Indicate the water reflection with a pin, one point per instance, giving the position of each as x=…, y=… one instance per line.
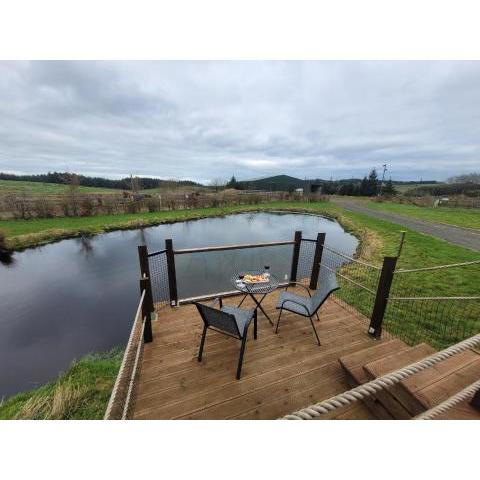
x=7, y=258
x=63, y=300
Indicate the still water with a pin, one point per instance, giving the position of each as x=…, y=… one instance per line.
x=63, y=300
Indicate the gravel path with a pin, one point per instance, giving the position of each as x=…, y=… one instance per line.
x=464, y=237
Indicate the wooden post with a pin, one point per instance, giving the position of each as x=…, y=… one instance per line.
x=402, y=239
x=172, y=276
x=143, y=258
x=381, y=299
x=147, y=309
x=145, y=271
x=296, y=254
x=317, y=260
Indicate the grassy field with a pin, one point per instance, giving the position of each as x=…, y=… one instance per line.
x=405, y=188
x=38, y=188
x=80, y=393
x=462, y=217
x=86, y=386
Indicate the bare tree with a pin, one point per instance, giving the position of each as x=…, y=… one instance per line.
x=136, y=184
x=218, y=183
x=73, y=182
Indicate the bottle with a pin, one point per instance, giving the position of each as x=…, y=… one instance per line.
x=266, y=270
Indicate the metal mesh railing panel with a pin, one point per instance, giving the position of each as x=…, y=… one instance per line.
x=159, y=279
x=358, y=280
x=305, y=260
x=436, y=305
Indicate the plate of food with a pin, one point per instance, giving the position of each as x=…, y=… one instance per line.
x=261, y=278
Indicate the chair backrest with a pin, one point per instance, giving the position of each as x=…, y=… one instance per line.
x=328, y=284
x=218, y=319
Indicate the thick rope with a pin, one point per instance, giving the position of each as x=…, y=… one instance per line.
x=351, y=258
x=350, y=280
x=465, y=394
x=434, y=298
x=437, y=267
x=381, y=383
x=113, y=396
x=128, y=399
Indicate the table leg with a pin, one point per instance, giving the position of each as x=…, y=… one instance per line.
x=243, y=299
x=260, y=306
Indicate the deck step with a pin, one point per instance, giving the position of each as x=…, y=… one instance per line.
x=356, y=375
x=443, y=380
x=398, y=401
x=418, y=392
x=461, y=411
x=353, y=363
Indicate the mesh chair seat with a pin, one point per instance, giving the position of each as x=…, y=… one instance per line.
x=242, y=316
x=228, y=320
x=287, y=299
x=307, y=306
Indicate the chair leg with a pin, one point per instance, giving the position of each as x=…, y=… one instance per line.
x=202, y=343
x=316, y=313
x=255, y=325
x=278, y=321
x=240, y=360
x=315, y=330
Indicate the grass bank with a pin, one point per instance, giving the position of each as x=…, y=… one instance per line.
x=461, y=217
x=82, y=392
x=21, y=234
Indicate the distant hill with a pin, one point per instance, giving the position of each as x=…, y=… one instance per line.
x=275, y=183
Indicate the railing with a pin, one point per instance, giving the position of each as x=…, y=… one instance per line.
x=391, y=301
x=434, y=304
x=187, y=274
x=122, y=398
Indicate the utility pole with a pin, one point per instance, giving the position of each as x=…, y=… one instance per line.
x=383, y=178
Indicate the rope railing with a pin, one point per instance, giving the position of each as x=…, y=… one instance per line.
x=351, y=259
x=465, y=394
x=371, y=388
x=349, y=279
x=117, y=403
x=437, y=267
x=435, y=298
x=133, y=375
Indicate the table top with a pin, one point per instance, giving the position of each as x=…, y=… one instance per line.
x=264, y=287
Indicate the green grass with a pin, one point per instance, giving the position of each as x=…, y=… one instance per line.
x=39, y=188
x=462, y=217
x=26, y=233
x=439, y=323
x=82, y=392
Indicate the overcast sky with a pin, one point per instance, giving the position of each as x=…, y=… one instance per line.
x=201, y=120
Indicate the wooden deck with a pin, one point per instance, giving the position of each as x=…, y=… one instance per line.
x=281, y=373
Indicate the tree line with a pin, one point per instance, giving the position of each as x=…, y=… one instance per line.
x=64, y=178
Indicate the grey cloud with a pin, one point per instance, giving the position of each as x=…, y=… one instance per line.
x=201, y=120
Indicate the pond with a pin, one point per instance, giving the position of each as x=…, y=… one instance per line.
x=63, y=300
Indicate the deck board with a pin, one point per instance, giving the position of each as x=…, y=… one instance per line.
x=281, y=373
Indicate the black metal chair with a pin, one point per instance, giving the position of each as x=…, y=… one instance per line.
x=307, y=306
x=231, y=321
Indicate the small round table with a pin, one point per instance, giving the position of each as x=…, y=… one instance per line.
x=252, y=289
